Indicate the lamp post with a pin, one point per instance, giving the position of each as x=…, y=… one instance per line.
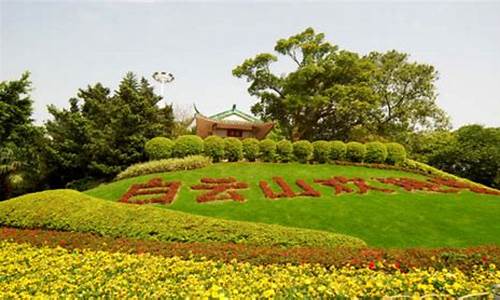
x=163, y=78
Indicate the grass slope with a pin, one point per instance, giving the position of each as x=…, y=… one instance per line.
x=73, y=211
x=402, y=219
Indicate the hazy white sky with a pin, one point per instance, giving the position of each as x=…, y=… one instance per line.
x=68, y=45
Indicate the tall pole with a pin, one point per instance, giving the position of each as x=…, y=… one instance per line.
x=162, y=78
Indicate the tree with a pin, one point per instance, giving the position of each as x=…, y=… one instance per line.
x=20, y=162
x=336, y=94
x=103, y=133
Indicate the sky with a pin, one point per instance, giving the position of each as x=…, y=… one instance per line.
x=67, y=45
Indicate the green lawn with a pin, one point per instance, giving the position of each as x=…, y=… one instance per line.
x=402, y=219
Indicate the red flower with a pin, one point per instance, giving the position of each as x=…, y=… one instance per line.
x=371, y=266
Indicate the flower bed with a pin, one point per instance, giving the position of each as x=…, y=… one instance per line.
x=286, y=189
x=52, y=272
x=165, y=192
x=340, y=185
x=220, y=189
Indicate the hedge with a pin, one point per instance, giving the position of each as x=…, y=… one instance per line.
x=338, y=150
x=355, y=152
x=376, y=152
x=159, y=148
x=284, y=151
x=69, y=210
x=267, y=150
x=165, y=165
x=213, y=146
x=187, y=145
x=233, y=149
x=302, y=150
x=321, y=151
x=396, y=153
x=250, y=149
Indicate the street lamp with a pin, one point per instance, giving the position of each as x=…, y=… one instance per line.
x=163, y=78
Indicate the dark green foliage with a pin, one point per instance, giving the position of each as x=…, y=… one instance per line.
x=396, y=153
x=321, y=151
x=213, y=146
x=284, y=151
x=302, y=151
x=338, y=150
x=376, y=152
x=250, y=149
x=65, y=210
x=267, y=150
x=102, y=133
x=159, y=148
x=355, y=152
x=187, y=145
x=233, y=149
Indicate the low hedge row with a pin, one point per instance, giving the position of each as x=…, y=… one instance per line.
x=388, y=260
x=69, y=210
x=268, y=150
x=165, y=165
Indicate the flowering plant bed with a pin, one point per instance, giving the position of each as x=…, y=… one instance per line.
x=286, y=190
x=160, y=191
x=220, y=189
x=339, y=183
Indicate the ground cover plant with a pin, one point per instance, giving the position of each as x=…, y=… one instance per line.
x=398, y=219
x=73, y=211
x=387, y=260
x=102, y=274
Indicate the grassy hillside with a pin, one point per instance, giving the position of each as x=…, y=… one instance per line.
x=400, y=219
x=73, y=211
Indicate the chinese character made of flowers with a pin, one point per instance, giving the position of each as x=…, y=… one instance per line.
x=220, y=189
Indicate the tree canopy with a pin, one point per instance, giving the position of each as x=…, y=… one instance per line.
x=335, y=94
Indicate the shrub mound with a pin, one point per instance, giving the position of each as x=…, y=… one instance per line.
x=376, y=152
x=284, y=151
x=165, y=165
x=213, y=146
x=302, y=150
x=250, y=149
x=321, y=151
x=186, y=145
x=396, y=153
x=267, y=150
x=355, y=151
x=338, y=150
x=159, y=148
x=233, y=149
x=70, y=210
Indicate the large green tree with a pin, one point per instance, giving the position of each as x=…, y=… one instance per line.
x=335, y=94
x=21, y=165
x=102, y=132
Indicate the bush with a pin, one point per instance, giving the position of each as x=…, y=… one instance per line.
x=376, y=152
x=187, y=145
x=213, y=146
x=321, y=151
x=165, y=165
x=396, y=153
x=267, y=150
x=233, y=149
x=159, y=148
x=284, y=150
x=250, y=149
x=302, y=150
x=355, y=152
x=338, y=150
x=65, y=210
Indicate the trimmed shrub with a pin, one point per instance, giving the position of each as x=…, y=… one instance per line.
x=65, y=210
x=187, y=145
x=396, y=153
x=165, y=165
x=213, y=146
x=355, y=151
x=321, y=151
x=159, y=148
x=302, y=150
x=376, y=152
x=233, y=149
x=250, y=149
x=338, y=150
x=267, y=150
x=284, y=151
